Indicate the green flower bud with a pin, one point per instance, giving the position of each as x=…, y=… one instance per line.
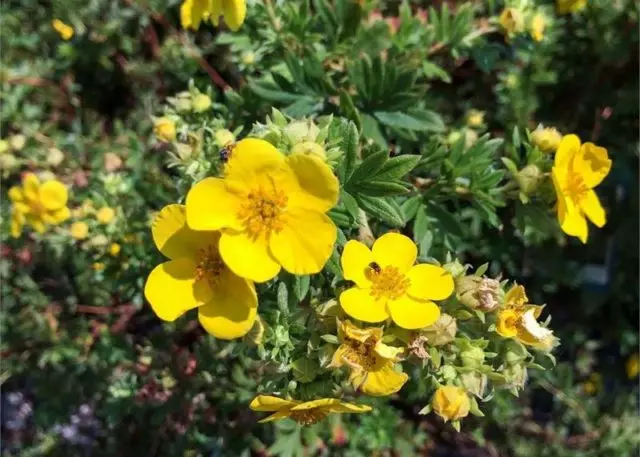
x=455, y=268
x=515, y=375
x=201, y=103
x=529, y=179
x=472, y=357
x=224, y=137
x=442, y=331
x=310, y=148
x=475, y=383
x=299, y=131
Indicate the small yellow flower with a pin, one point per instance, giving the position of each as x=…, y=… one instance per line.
x=576, y=171
x=201, y=103
x=248, y=58
x=370, y=360
x=165, y=129
x=105, y=215
x=388, y=284
x=570, y=6
x=547, y=139
x=475, y=118
x=196, y=277
x=537, y=27
x=97, y=266
x=114, y=249
x=511, y=21
x=633, y=366
x=55, y=157
x=270, y=210
x=304, y=413
x=450, y=403
x=65, y=31
x=79, y=230
x=193, y=12
x=17, y=142
x=38, y=205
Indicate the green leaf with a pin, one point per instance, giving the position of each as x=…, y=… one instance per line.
x=382, y=208
x=349, y=109
x=371, y=130
x=433, y=71
x=401, y=121
x=410, y=207
x=398, y=167
x=305, y=369
x=349, y=145
x=350, y=203
x=283, y=298
x=381, y=188
x=368, y=168
x=301, y=286
x=272, y=93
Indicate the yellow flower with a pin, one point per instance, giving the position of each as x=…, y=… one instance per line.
x=387, y=283
x=65, y=31
x=105, y=215
x=633, y=366
x=370, y=360
x=97, y=266
x=201, y=102
x=305, y=413
x=193, y=12
x=165, y=129
x=79, y=230
x=511, y=21
x=196, y=277
x=570, y=6
x=450, y=403
x=270, y=210
x=38, y=205
x=577, y=170
x=537, y=27
x=475, y=118
x=547, y=139
x=114, y=249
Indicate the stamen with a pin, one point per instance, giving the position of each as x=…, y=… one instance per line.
x=387, y=282
x=262, y=212
x=361, y=355
x=209, y=265
x=576, y=187
x=308, y=416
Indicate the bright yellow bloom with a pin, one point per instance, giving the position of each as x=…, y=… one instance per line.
x=97, y=266
x=305, y=413
x=370, y=360
x=38, y=205
x=388, y=284
x=518, y=320
x=537, y=27
x=196, y=277
x=633, y=366
x=475, y=118
x=577, y=170
x=450, y=403
x=511, y=21
x=547, y=139
x=270, y=210
x=193, y=12
x=79, y=230
x=570, y=6
x=114, y=249
x=105, y=215
x=65, y=31
x=165, y=129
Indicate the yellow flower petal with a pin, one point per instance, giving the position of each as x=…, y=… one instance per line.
x=571, y=219
x=248, y=258
x=381, y=382
x=232, y=309
x=568, y=148
x=59, y=216
x=234, y=13
x=172, y=289
x=350, y=331
x=53, y=195
x=317, y=186
x=413, y=314
x=359, y=304
x=506, y=325
x=430, y=282
x=592, y=208
x=343, y=407
x=15, y=194
x=320, y=403
x=305, y=243
x=37, y=224
x=17, y=222
x=339, y=355
x=212, y=206
x=192, y=12
x=270, y=403
x=31, y=184
x=395, y=249
x=252, y=156
x=592, y=163
x=355, y=261
x=516, y=296
x=174, y=238
x=387, y=352
x=275, y=416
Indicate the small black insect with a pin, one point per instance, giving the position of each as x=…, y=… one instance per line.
x=225, y=153
x=375, y=267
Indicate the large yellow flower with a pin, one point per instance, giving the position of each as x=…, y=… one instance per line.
x=196, y=277
x=577, y=170
x=38, y=205
x=370, y=360
x=193, y=12
x=270, y=209
x=388, y=284
x=305, y=413
x=570, y=6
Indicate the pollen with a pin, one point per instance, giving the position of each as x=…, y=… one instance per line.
x=576, y=188
x=388, y=282
x=361, y=355
x=262, y=212
x=209, y=264
x=308, y=416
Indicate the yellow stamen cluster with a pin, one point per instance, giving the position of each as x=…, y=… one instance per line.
x=576, y=187
x=209, y=265
x=308, y=416
x=361, y=354
x=388, y=282
x=262, y=212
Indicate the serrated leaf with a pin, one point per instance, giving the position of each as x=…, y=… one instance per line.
x=349, y=146
x=398, y=167
x=350, y=203
x=301, y=286
x=367, y=168
x=381, y=188
x=305, y=369
x=382, y=208
x=400, y=120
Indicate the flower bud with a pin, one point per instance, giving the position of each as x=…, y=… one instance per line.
x=248, y=58
x=182, y=101
x=529, y=178
x=442, y=331
x=450, y=403
x=310, y=148
x=201, y=103
x=475, y=383
x=475, y=118
x=79, y=230
x=165, y=129
x=478, y=292
x=224, y=137
x=17, y=142
x=473, y=357
x=515, y=375
x=54, y=157
x=547, y=139
x=99, y=240
x=299, y=131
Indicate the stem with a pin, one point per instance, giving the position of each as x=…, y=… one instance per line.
x=275, y=23
x=364, y=233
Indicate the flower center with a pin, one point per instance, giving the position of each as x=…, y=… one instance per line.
x=209, y=265
x=308, y=416
x=576, y=188
x=262, y=211
x=361, y=355
x=387, y=282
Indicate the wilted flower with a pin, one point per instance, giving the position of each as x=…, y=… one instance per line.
x=547, y=139
x=304, y=413
x=79, y=230
x=478, y=292
x=165, y=129
x=193, y=12
x=65, y=31
x=442, y=331
x=451, y=403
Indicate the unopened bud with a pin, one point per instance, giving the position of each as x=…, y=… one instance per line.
x=300, y=131
x=310, y=148
x=224, y=137
x=547, y=139
x=529, y=178
x=473, y=357
x=201, y=103
x=443, y=331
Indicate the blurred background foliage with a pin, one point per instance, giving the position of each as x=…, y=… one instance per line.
x=88, y=370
